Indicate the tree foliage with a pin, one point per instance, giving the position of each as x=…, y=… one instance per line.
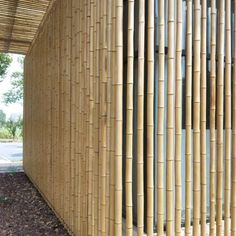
x=2, y=118
x=13, y=125
x=5, y=61
x=15, y=93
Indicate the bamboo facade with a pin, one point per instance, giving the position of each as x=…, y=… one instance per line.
x=130, y=116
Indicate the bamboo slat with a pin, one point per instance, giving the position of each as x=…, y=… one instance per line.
x=227, y=119
x=170, y=120
x=203, y=115
x=220, y=115
x=196, y=118
x=160, y=126
x=188, y=118
x=178, y=119
x=212, y=120
x=129, y=120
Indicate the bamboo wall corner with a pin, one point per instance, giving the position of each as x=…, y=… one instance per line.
x=130, y=116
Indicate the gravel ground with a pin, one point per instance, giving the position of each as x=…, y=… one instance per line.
x=23, y=212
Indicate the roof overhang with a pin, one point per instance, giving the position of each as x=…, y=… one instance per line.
x=19, y=23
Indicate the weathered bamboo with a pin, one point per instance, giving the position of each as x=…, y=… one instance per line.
x=212, y=119
x=233, y=192
x=188, y=119
x=140, y=121
x=178, y=119
x=220, y=114
x=118, y=117
x=227, y=118
x=150, y=118
x=196, y=118
x=129, y=120
x=160, y=127
x=170, y=120
x=203, y=114
x=112, y=163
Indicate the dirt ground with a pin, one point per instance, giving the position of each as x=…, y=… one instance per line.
x=23, y=212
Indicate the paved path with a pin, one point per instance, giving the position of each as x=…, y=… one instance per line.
x=11, y=155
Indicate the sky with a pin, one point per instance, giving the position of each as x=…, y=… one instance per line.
x=12, y=110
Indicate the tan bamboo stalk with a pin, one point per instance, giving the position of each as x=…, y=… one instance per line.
x=178, y=119
x=196, y=118
x=227, y=119
x=103, y=112
x=97, y=35
x=220, y=112
x=188, y=119
x=233, y=187
x=212, y=119
x=112, y=163
x=129, y=120
x=101, y=156
x=150, y=118
x=118, y=117
x=91, y=120
x=140, y=122
x=170, y=120
x=109, y=94
x=203, y=115
x=160, y=127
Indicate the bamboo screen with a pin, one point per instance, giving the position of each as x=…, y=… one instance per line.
x=130, y=116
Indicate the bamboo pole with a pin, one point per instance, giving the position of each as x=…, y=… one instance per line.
x=140, y=122
x=160, y=127
x=203, y=114
x=227, y=119
x=170, y=120
x=233, y=191
x=150, y=119
x=109, y=101
x=113, y=98
x=129, y=120
x=188, y=119
x=212, y=119
x=118, y=117
x=196, y=119
x=220, y=112
x=178, y=119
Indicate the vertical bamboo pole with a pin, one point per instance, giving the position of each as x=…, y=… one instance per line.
x=203, y=115
x=178, y=119
x=220, y=112
x=196, y=119
x=109, y=94
x=160, y=127
x=170, y=119
x=188, y=119
x=129, y=120
x=112, y=163
x=150, y=118
x=212, y=119
x=233, y=191
x=140, y=122
x=227, y=119
x=118, y=117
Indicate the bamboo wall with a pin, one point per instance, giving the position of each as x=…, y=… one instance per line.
x=118, y=97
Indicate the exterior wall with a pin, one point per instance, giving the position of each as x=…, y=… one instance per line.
x=130, y=112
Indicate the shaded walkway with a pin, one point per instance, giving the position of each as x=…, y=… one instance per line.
x=11, y=155
x=23, y=211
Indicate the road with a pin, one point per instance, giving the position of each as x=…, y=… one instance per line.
x=11, y=155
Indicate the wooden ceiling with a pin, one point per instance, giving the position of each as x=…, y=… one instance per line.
x=19, y=23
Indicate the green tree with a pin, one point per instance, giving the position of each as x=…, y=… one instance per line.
x=2, y=118
x=15, y=93
x=5, y=61
x=12, y=125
